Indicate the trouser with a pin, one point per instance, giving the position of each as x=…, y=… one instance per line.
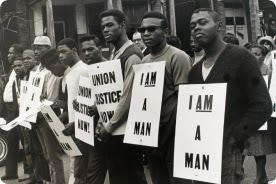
x=13, y=137
x=161, y=163
x=231, y=167
x=71, y=170
x=90, y=167
x=124, y=162
x=261, y=177
x=32, y=149
x=52, y=151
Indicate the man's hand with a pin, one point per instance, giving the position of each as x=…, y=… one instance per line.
x=101, y=133
x=75, y=105
x=69, y=129
x=92, y=110
x=59, y=104
x=43, y=97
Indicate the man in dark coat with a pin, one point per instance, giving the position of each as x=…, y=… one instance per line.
x=248, y=104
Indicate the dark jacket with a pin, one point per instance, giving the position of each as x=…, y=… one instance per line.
x=248, y=103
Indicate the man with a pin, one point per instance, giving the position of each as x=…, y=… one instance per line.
x=154, y=28
x=29, y=60
x=11, y=106
x=124, y=161
x=248, y=104
x=198, y=51
x=68, y=55
x=139, y=42
x=50, y=145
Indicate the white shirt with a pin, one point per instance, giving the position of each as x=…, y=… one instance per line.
x=72, y=81
x=7, y=96
x=206, y=71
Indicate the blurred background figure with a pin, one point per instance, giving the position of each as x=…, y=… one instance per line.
x=139, y=42
x=173, y=41
x=198, y=51
x=268, y=43
x=231, y=39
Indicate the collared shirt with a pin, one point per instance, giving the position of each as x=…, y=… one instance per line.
x=72, y=82
x=118, y=53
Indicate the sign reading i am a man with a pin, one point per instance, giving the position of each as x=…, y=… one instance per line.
x=34, y=90
x=66, y=142
x=199, y=132
x=107, y=86
x=145, y=107
x=84, y=124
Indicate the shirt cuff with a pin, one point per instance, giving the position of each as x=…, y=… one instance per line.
x=109, y=127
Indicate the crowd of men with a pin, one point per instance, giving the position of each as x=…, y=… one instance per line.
x=248, y=103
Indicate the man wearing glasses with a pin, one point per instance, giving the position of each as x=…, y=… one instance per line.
x=154, y=28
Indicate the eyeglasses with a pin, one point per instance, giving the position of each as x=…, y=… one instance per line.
x=149, y=29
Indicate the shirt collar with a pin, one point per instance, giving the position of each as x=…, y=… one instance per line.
x=116, y=55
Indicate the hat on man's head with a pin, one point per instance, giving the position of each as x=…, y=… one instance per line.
x=267, y=38
x=42, y=40
x=50, y=57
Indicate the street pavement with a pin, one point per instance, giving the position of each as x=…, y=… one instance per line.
x=249, y=166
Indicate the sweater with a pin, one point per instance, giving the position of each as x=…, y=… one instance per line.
x=248, y=104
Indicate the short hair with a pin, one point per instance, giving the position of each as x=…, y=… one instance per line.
x=17, y=48
x=211, y=12
x=50, y=57
x=117, y=14
x=173, y=41
x=262, y=48
x=158, y=15
x=247, y=45
x=89, y=37
x=231, y=39
x=69, y=42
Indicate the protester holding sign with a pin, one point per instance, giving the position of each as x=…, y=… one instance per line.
x=68, y=55
x=154, y=28
x=260, y=144
x=50, y=145
x=248, y=104
x=123, y=161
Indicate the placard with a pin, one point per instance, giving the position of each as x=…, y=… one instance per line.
x=145, y=107
x=264, y=127
x=272, y=89
x=34, y=90
x=84, y=124
x=199, y=132
x=66, y=142
x=107, y=86
x=23, y=119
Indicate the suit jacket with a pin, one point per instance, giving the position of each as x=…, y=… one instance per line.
x=248, y=103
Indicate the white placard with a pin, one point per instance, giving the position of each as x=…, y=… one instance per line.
x=107, y=85
x=23, y=119
x=66, y=142
x=2, y=121
x=84, y=124
x=145, y=107
x=34, y=90
x=273, y=57
x=199, y=132
x=264, y=127
x=272, y=89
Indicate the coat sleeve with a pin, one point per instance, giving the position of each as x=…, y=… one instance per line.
x=259, y=107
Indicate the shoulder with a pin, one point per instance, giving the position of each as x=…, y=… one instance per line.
x=178, y=56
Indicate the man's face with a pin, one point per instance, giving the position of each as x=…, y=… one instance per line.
x=203, y=28
x=91, y=52
x=194, y=46
x=111, y=29
x=266, y=45
x=138, y=41
x=57, y=69
x=257, y=52
x=18, y=67
x=39, y=51
x=12, y=55
x=152, y=32
x=65, y=54
x=29, y=60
